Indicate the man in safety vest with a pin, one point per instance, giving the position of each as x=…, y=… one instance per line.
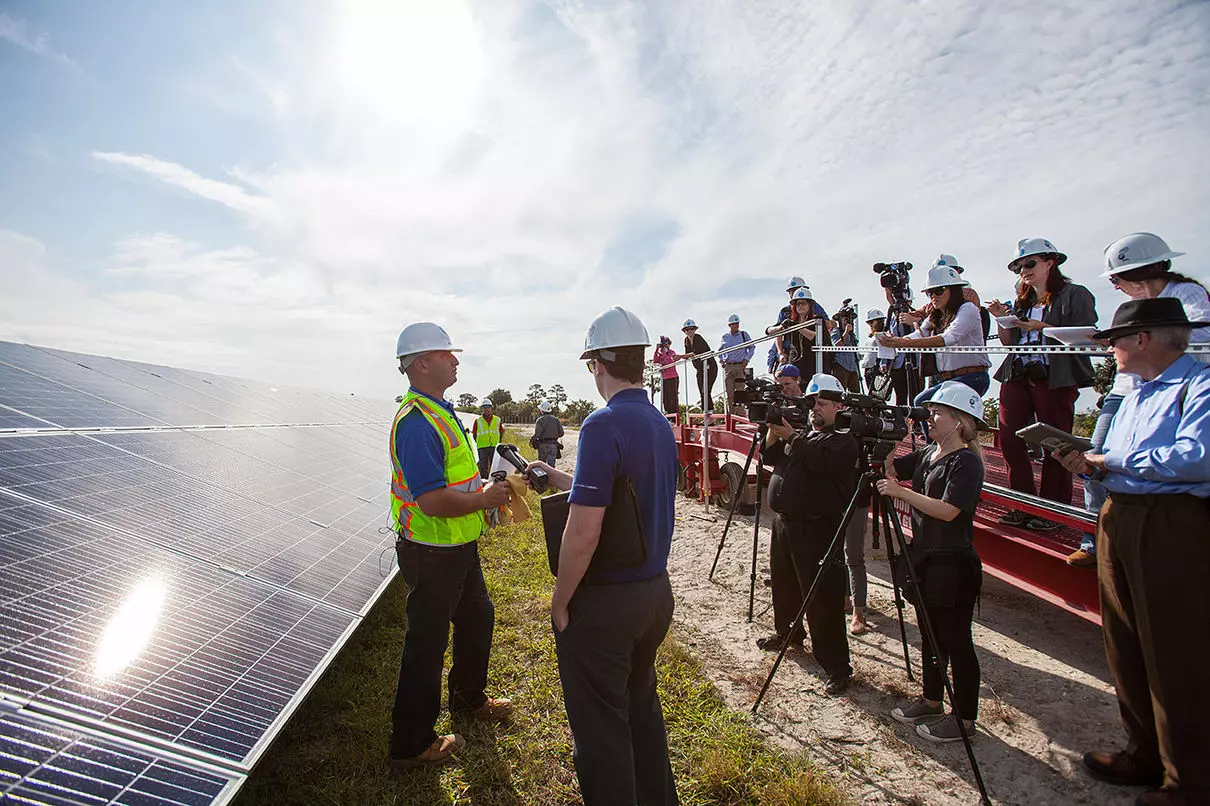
x=438, y=501
x=488, y=431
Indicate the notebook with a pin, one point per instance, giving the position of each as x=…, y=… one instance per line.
x=623, y=544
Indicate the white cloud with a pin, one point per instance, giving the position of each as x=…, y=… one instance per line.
x=482, y=184
x=14, y=31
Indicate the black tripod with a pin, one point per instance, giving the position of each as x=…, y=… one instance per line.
x=758, y=439
x=873, y=458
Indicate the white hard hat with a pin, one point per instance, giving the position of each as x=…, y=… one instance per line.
x=941, y=276
x=874, y=313
x=947, y=260
x=958, y=395
x=822, y=382
x=688, y=324
x=616, y=327
x=795, y=282
x=1135, y=251
x=544, y=406
x=733, y=319
x=1037, y=246
x=803, y=292
x=486, y=403
x=423, y=337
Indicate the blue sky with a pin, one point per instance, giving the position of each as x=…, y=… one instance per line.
x=274, y=189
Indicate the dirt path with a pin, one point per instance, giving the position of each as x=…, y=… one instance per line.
x=1045, y=696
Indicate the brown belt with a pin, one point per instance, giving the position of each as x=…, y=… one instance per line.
x=953, y=373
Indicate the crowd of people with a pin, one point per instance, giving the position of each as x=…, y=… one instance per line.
x=1152, y=462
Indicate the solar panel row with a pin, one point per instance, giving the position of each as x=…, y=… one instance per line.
x=173, y=592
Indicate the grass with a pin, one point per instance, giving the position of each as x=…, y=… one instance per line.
x=333, y=750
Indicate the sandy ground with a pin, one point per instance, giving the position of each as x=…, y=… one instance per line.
x=1045, y=696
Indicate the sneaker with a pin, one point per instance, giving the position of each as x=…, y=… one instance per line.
x=1040, y=525
x=944, y=731
x=917, y=710
x=1014, y=517
x=1082, y=559
x=772, y=643
x=837, y=685
x=1120, y=769
x=442, y=750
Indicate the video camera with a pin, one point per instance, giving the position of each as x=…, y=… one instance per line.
x=767, y=403
x=868, y=418
x=847, y=314
x=894, y=278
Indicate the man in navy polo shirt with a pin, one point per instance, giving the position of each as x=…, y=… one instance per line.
x=608, y=625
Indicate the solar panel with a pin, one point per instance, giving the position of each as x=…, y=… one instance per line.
x=236, y=530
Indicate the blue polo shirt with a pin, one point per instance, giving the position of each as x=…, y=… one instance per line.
x=419, y=448
x=630, y=437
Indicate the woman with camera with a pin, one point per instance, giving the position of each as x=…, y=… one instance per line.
x=953, y=322
x=670, y=380
x=1040, y=386
x=947, y=478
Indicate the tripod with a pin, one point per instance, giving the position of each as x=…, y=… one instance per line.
x=882, y=506
x=758, y=439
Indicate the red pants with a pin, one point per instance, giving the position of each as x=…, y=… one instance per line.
x=1020, y=402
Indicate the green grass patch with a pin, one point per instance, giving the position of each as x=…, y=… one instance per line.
x=333, y=750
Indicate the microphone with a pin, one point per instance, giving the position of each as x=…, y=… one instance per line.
x=538, y=478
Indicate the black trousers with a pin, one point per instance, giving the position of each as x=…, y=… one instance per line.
x=671, y=393
x=797, y=548
x=485, y=461
x=955, y=647
x=711, y=377
x=607, y=667
x=445, y=585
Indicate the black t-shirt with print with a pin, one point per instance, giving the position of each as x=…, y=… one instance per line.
x=957, y=479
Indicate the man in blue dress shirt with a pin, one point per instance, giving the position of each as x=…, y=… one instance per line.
x=735, y=361
x=1153, y=556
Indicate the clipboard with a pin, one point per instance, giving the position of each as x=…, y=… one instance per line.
x=623, y=544
x=1053, y=439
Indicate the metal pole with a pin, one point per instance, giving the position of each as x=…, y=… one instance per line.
x=705, y=485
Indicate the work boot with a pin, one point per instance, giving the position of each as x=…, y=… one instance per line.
x=442, y=750
x=494, y=709
x=1121, y=769
x=772, y=643
x=1036, y=524
x=1082, y=559
x=837, y=685
x=1014, y=517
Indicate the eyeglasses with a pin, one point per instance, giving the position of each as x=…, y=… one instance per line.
x=1115, y=281
x=936, y=292
x=1114, y=341
x=592, y=366
x=1020, y=267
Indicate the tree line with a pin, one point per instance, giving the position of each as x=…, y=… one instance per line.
x=570, y=412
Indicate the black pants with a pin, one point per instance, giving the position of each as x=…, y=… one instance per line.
x=445, y=585
x=794, y=561
x=711, y=377
x=672, y=388
x=607, y=667
x=485, y=461
x=955, y=647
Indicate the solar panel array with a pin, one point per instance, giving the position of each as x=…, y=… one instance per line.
x=181, y=555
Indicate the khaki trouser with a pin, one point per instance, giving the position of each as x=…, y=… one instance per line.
x=1153, y=553
x=733, y=379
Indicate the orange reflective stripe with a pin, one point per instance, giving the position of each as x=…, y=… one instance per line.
x=435, y=418
x=464, y=481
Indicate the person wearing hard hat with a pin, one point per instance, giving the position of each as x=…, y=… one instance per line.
x=735, y=361
x=953, y=322
x=1037, y=386
x=670, y=380
x=437, y=505
x=1140, y=266
x=706, y=368
x=609, y=623
x=1152, y=554
x=547, y=433
x=796, y=282
x=814, y=478
x=488, y=430
x=797, y=346
x=947, y=479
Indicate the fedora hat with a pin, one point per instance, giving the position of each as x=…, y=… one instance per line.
x=1145, y=314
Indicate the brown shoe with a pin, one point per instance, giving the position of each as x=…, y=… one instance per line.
x=1121, y=769
x=494, y=709
x=1081, y=559
x=1164, y=797
x=440, y=751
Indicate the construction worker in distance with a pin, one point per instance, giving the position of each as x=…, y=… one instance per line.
x=735, y=361
x=609, y=622
x=438, y=503
x=547, y=433
x=488, y=430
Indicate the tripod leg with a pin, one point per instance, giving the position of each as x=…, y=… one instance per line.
x=828, y=557
x=756, y=440
x=755, y=545
x=886, y=512
x=926, y=627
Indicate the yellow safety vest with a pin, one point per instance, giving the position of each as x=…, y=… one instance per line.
x=487, y=435
x=461, y=473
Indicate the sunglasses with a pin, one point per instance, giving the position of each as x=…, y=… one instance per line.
x=936, y=292
x=1114, y=341
x=1020, y=267
x=592, y=365
x=1115, y=281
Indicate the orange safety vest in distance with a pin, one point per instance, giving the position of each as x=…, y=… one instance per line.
x=461, y=473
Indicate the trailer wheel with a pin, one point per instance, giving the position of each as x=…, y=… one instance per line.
x=684, y=484
x=733, y=484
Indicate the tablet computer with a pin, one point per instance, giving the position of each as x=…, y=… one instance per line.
x=1053, y=439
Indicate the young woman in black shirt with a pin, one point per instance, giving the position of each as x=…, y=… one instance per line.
x=696, y=345
x=947, y=478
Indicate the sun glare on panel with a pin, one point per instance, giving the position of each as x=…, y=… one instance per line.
x=416, y=61
x=131, y=627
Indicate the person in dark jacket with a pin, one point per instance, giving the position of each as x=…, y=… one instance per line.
x=1038, y=386
x=814, y=477
x=696, y=345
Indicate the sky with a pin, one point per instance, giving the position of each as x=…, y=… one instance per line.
x=275, y=189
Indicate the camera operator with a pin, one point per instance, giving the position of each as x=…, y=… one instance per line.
x=844, y=365
x=796, y=347
x=814, y=477
x=947, y=478
x=789, y=380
